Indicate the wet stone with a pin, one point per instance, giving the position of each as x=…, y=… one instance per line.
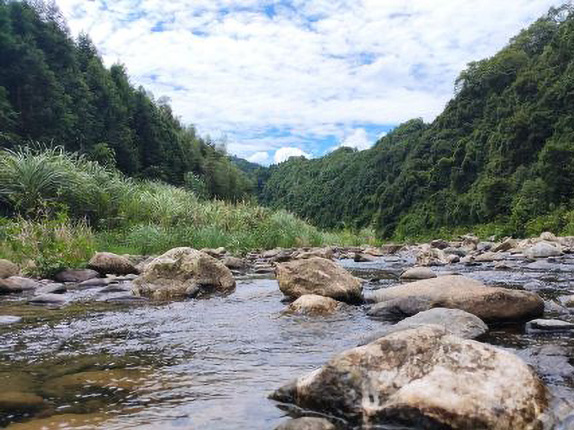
x=47, y=299
x=8, y=319
x=542, y=325
x=14, y=401
x=52, y=289
x=76, y=275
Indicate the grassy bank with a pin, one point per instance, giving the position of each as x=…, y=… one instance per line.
x=59, y=208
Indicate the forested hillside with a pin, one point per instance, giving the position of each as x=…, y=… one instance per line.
x=501, y=152
x=57, y=91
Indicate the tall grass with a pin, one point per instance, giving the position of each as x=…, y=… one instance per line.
x=138, y=217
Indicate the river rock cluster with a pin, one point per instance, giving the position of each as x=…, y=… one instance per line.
x=428, y=370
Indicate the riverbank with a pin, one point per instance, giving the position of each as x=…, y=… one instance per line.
x=90, y=352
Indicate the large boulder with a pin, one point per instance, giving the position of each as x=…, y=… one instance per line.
x=327, y=253
x=312, y=304
x=108, y=263
x=427, y=256
x=318, y=276
x=543, y=250
x=459, y=292
x=183, y=272
x=7, y=269
x=428, y=379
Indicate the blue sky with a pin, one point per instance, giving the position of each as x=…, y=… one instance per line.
x=299, y=77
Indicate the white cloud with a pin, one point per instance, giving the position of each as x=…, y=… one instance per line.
x=312, y=71
x=287, y=152
x=359, y=139
x=259, y=157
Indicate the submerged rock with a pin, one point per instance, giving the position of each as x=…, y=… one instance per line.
x=108, y=263
x=307, y=423
x=312, y=304
x=180, y=271
x=79, y=275
x=48, y=299
x=14, y=401
x=7, y=269
x=426, y=378
x=459, y=292
x=318, y=276
x=9, y=319
x=418, y=273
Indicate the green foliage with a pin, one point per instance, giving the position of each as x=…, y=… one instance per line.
x=46, y=245
x=501, y=153
x=55, y=89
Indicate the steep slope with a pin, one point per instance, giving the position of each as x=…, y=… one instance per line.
x=502, y=151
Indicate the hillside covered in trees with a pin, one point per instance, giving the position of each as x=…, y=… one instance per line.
x=502, y=152
x=56, y=91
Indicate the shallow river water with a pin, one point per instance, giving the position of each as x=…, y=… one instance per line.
x=211, y=363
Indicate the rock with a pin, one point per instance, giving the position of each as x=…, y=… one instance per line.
x=234, y=263
x=418, y=273
x=439, y=244
x=127, y=298
x=542, y=250
x=107, y=263
x=64, y=422
x=549, y=237
x=427, y=256
x=502, y=266
x=80, y=275
x=398, y=309
x=263, y=268
x=484, y=246
x=14, y=401
x=318, y=276
x=470, y=241
x=312, y=304
x=17, y=284
x=47, y=299
x=487, y=257
x=452, y=259
x=215, y=253
x=271, y=253
x=363, y=258
x=459, y=292
x=454, y=321
x=426, y=378
x=110, y=379
x=52, y=289
x=505, y=245
x=179, y=271
x=375, y=252
x=7, y=269
x=567, y=301
x=307, y=423
x=95, y=282
x=8, y=319
x=391, y=248
x=549, y=325
x=123, y=287
x=459, y=252
x=326, y=253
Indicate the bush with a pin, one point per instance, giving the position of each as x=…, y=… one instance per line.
x=43, y=247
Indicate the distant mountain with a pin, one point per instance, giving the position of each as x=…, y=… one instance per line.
x=501, y=152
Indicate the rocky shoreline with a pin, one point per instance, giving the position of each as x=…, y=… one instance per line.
x=428, y=370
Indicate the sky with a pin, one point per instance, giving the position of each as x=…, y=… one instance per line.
x=285, y=78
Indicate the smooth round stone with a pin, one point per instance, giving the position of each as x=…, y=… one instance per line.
x=9, y=319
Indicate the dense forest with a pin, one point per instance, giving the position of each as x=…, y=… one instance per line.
x=502, y=152
x=56, y=91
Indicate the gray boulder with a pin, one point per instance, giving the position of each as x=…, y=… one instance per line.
x=79, y=275
x=543, y=250
x=108, y=263
x=459, y=292
x=318, y=276
x=426, y=378
x=182, y=272
x=417, y=273
x=17, y=284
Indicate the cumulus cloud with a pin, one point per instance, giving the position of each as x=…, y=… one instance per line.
x=359, y=139
x=261, y=157
x=304, y=71
x=287, y=152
